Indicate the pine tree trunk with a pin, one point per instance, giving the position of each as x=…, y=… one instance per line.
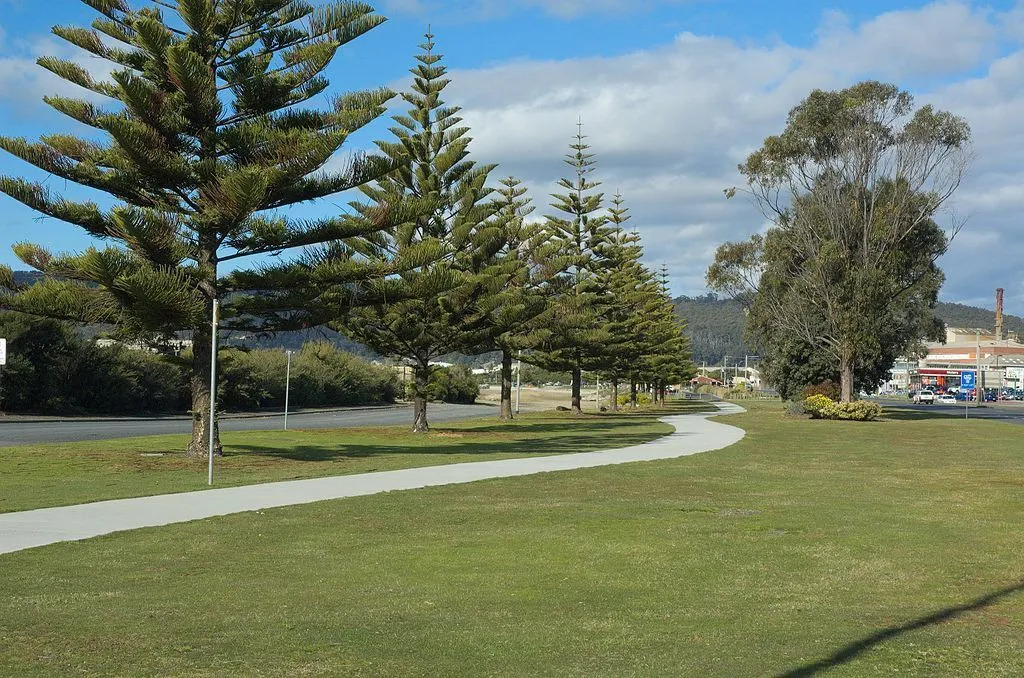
x=506, y=387
x=615, y=395
x=199, y=384
x=419, y=400
x=632, y=394
x=846, y=377
x=577, y=381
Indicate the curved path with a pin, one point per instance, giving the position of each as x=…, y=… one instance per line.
x=27, y=529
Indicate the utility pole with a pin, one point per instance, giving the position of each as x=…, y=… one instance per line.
x=979, y=381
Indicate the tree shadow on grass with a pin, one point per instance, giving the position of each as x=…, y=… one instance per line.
x=594, y=423
x=853, y=650
x=917, y=415
x=552, y=444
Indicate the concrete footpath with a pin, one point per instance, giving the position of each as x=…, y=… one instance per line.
x=29, y=529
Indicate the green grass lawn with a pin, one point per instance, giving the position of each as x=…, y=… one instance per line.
x=58, y=474
x=888, y=548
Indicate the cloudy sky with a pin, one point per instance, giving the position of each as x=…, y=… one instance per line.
x=673, y=94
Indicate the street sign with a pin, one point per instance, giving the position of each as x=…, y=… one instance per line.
x=967, y=379
x=3, y=351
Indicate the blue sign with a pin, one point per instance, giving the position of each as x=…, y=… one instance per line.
x=967, y=380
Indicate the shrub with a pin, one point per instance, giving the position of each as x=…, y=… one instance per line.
x=816, y=405
x=829, y=389
x=823, y=407
x=453, y=384
x=641, y=399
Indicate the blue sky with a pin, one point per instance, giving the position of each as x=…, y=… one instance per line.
x=673, y=94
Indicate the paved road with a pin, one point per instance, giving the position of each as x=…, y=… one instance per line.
x=20, y=432
x=28, y=529
x=1012, y=413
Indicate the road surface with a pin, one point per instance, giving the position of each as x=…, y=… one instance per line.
x=18, y=431
x=1009, y=412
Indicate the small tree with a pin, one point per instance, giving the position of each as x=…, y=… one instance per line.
x=207, y=144
x=851, y=187
x=444, y=197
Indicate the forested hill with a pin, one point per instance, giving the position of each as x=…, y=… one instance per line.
x=715, y=325
x=959, y=315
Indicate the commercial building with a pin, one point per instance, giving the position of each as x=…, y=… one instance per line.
x=1001, y=362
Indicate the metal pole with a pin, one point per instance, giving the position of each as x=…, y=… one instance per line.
x=287, y=384
x=598, y=393
x=213, y=388
x=519, y=384
x=978, y=381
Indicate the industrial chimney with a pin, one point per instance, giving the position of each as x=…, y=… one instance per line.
x=999, y=314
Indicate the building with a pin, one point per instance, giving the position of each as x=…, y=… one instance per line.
x=1001, y=362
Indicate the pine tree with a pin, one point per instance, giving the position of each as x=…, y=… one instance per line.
x=668, y=356
x=522, y=263
x=208, y=144
x=629, y=290
x=445, y=198
x=572, y=322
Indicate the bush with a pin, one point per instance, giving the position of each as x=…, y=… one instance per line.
x=641, y=399
x=829, y=389
x=823, y=407
x=453, y=384
x=322, y=376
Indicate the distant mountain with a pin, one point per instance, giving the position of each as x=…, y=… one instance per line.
x=27, y=277
x=715, y=325
x=959, y=315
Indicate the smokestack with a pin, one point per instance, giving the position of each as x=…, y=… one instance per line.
x=999, y=314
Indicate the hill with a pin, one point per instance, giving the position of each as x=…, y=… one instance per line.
x=715, y=325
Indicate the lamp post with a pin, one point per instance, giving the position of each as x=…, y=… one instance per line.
x=519, y=384
x=213, y=389
x=287, y=385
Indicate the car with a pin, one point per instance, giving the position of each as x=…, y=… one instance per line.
x=946, y=399
x=924, y=396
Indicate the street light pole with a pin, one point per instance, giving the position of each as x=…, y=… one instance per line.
x=519, y=384
x=213, y=389
x=287, y=385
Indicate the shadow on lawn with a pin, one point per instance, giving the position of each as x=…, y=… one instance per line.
x=856, y=648
x=899, y=414
x=551, y=444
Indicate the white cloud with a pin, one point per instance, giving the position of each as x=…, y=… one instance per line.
x=670, y=124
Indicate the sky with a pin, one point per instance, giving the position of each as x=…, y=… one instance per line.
x=672, y=94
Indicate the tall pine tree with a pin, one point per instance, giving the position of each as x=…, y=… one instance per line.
x=206, y=143
x=572, y=323
x=445, y=198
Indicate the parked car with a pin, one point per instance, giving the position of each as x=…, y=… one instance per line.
x=946, y=399
x=924, y=396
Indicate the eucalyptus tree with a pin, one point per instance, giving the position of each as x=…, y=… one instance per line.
x=204, y=142
x=446, y=212
x=572, y=323
x=852, y=187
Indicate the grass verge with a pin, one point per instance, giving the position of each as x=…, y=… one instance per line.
x=888, y=548
x=35, y=476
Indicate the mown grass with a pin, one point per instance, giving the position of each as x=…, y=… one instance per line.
x=58, y=474
x=889, y=548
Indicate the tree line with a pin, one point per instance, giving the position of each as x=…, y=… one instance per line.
x=213, y=134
